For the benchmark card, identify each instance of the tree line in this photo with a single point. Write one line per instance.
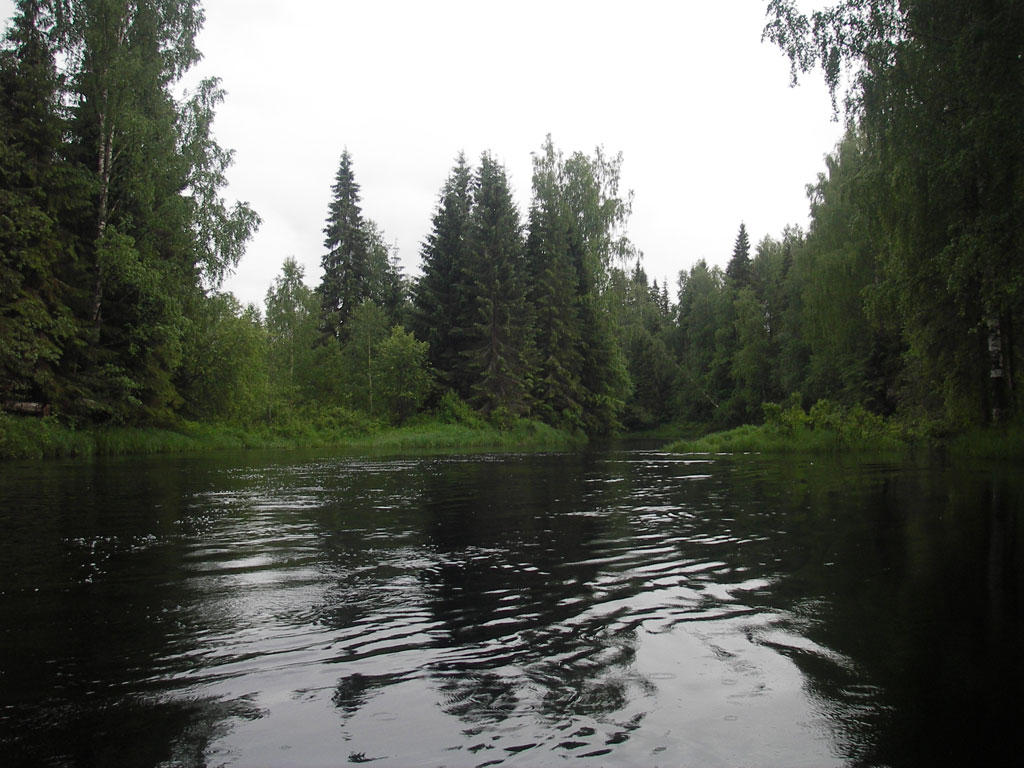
(901, 297)
(112, 226)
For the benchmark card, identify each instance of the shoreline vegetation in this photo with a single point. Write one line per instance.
(25, 438)
(898, 301)
(824, 429)
(831, 429)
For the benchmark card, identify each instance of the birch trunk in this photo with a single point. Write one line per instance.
(998, 377)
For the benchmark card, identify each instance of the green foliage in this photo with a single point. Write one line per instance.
(359, 266)
(701, 313)
(405, 378)
(451, 409)
(577, 222)
(357, 373)
(220, 233)
(335, 428)
(988, 443)
(293, 314)
(118, 224)
(224, 374)
(496, 354)
(827, 428)
(935, 93)
(441, 308)
(900, 300)
(346, 280)
(38, 187)
(738, 270)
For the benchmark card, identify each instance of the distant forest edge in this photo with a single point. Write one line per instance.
(898, 306)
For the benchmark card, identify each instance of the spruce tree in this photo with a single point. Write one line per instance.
(496, 353)
(37, 191)
(441, 307)
(738, 269)
(346, 264)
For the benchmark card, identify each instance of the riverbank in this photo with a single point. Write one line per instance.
(39, 438)
(830, 429)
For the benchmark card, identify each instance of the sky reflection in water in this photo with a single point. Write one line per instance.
(627, 608)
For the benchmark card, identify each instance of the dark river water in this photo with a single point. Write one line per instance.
(613, 608)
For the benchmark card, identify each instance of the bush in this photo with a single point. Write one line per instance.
(826, 428)
(452, 409)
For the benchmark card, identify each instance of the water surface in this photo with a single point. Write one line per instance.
(620, 607)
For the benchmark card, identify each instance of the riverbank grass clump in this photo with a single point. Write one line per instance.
(826, 428)
(38, 438)
(1005, 442)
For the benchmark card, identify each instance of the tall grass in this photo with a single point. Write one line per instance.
(989, 443)
(826, 428)
(33, 438)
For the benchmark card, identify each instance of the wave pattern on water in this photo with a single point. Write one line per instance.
(632, 608)
(429, 612)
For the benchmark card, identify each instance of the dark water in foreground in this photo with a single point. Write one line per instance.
(617, 608)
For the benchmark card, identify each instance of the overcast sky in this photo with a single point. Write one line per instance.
(710, 131)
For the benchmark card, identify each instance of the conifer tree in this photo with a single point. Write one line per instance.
(346, 263)
(441, 309)
(497, 342)
(738, 269)
(37, 189)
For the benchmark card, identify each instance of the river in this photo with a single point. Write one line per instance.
(617, 607)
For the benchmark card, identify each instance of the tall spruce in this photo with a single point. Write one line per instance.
(441, 307)
(346, 263)
(738, 269)
(496, 351)
(40, 194)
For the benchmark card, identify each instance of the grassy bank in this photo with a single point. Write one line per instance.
(989, 443)
(34, 438)
(826, 428)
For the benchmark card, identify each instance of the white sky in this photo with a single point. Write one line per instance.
(710, 131)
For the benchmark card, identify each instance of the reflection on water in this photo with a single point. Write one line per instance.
(620, 607)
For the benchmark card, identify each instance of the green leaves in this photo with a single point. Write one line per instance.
(403, 374)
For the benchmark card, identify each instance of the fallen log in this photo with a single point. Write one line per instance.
(28, 409)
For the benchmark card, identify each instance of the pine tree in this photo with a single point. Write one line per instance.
(346, 264)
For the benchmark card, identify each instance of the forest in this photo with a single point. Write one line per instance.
(900, 299)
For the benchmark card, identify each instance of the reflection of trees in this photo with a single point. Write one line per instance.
(516, 576)
(917, 584)
(123, 733)
(96, 582)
